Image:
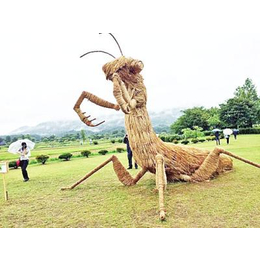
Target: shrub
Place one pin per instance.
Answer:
(202, 140)
(185, 142)
(103, 152)
(176, 137)
(208, 133)
(175, 141)
(65, 156)
(42, 158)
(120, 150)
(163, 138)
(120, 140)
(194, 141)
(95, 142)
(170, 138)
(249, 131)
(13, 165)
(209, 138)
(113, 141)
(213, 138)
(86, 153)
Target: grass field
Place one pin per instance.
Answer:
(231, 200)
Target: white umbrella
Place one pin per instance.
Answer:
(14, 147)
(228, 132)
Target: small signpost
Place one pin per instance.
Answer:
(3, 171)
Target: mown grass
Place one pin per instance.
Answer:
(231, 200)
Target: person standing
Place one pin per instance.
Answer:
(227, 137)
(24, 152)
(217, 137)
(129, 154)
(235, 132)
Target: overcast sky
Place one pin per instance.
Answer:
(195, 54)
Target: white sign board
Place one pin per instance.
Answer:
(3, 167)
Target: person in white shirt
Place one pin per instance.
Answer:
(24, 152)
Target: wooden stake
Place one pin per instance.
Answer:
(5, 190)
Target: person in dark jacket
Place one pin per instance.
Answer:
(235, 132)
(129, 154)
(217, 137)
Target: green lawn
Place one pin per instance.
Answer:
(231, 200)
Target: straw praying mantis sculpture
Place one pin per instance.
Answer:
(167, 161)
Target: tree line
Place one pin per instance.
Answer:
(68, 137)
(240, 111)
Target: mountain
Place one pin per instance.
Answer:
(160, 120)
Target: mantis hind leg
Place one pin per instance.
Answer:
(122, 174)
(214, 163)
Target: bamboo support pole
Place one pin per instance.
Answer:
(5, 189)
(89, 174)
(161, 184)
(241, 159)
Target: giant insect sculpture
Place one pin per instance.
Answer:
(167, 161)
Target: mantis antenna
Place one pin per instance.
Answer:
(97, 51)
(116, 43)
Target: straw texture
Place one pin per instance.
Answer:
(167, 161)
(131, 96)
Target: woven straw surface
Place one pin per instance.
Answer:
(179, 160)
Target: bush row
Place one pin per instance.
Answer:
(209, 135)
(249, 131)
(194, 140)
(65, 157)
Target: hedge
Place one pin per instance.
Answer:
(249, 131)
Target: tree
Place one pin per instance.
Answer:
(14, 139)
(214, 121)
(247, 91)
(243, 110)
(83, 135)
(189, 133)
(258, 111)
(8, 139)
(237, 113)
(197, 116)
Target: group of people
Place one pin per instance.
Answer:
(227, 136)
